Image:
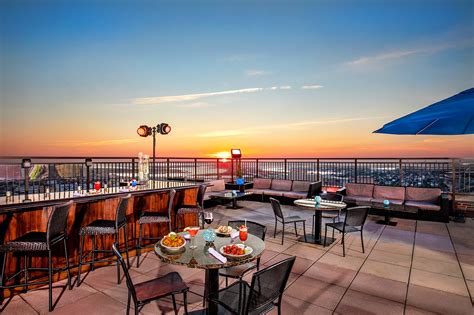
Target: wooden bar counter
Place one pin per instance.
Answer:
(20, 218)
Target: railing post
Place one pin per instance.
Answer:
(355, 170)
(318, 176)
(256, 171)
(26, 164)
(286, 169)
(400, 167)
(217, 169)
(195, 170)
(453, 187)
(133, 168)
(232, 170)
(167, 169)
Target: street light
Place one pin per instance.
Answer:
(145, 131)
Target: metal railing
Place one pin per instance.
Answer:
(63, 175)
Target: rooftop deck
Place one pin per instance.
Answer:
(416, 267)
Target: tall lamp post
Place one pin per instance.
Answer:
(145, 131)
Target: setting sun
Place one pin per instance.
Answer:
(222, 155)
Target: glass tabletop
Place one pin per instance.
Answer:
(200, 257)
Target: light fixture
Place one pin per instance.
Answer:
(145, 131)
(26, 163)
(236, 153)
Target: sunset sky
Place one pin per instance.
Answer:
(274, 78)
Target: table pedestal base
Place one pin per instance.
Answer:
(387, 221)
(319, 241)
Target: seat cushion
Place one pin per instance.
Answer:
(274, 193)
(99, 227)
(295, 194)
(359, 200)
(394, 204)
(217, 185)
(281, 184)
(153, 217)
(293, 218)
(31, 241)
(361, 190)
(421, 205)
(300, 186)
(152, 289)
(256, 191)
(191, 209)
(423, 194)
(389, 192)
(262, 183)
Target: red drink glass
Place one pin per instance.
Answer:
(97, 185)
(243, 234)
(193, 230)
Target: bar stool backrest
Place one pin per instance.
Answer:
(356, 216)
(128, 279)
(200, 196)
(57, 222)
(170, 201)
(276, 208)
(268, 284)
(120, 218)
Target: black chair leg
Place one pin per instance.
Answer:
(362, 241)
(343, 245)
(93, 252)
(69, 282)
(296, 230)
(139, 246)
(81, 249)
(283, 233)
(118, 263)
(175, 308)
(126, 245)
(275, 230)
(25, 270)
(304, 231)
(128, 302)
(50, 280)
(2, 276)
(325, 235)
(185, 301)
(333, 221)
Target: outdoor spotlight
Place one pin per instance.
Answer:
(88, 162)
(164, 128)
(236, 153)
(144, 131)
(26, 163)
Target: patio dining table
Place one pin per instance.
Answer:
(324, 205)
(201, 258)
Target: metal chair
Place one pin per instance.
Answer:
(104, 227)
(149, 217)
(263, 294)
(354, 222)
(56, 232)
(238, 272)
(285, 220)
(330, 214)
(197, 208)
(151, 290)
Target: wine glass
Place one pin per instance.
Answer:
(208, 217)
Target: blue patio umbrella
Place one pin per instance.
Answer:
(452, 116)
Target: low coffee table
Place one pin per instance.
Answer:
(230, 196)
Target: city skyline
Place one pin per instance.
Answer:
(296, 79)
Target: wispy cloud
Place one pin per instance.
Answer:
(193, 97)
(311, 87)
(95, 142)
(189, 97)
(269, 128)
(404, 53)
(195, 105)
(256, 73)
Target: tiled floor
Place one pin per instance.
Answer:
(415, 267)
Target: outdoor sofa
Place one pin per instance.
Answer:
(284, 189)
(410, 202)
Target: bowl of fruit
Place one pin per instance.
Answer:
(224, 230)
(236, 250)
(173, 242)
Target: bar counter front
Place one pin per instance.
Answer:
(17, 219)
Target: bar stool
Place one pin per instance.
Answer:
(197, 208)
(153, 217)
(40, 242)
(105, 227)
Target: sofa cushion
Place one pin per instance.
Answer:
(358, 200)
(256, 191)
(281, 184)
(274, 193)
(389, 192)
(295, 194)
(217, 185)
(421, 205)
(423, 194)
(300, 186)
(361, 190)
(262, 183)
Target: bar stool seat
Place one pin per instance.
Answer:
(99, 227)
(185, 209)
(29, 242)
(152, 217)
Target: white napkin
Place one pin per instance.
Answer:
(216, 254)
(234, 234)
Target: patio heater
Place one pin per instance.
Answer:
(237, 155)
(145, 131)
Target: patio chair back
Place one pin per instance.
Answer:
(276, 208)
(254, 228)
(356, 216)
(333, 197)
(57, 222)
(268, 285)
(128, 279)
(120, 216)
(171, 195)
